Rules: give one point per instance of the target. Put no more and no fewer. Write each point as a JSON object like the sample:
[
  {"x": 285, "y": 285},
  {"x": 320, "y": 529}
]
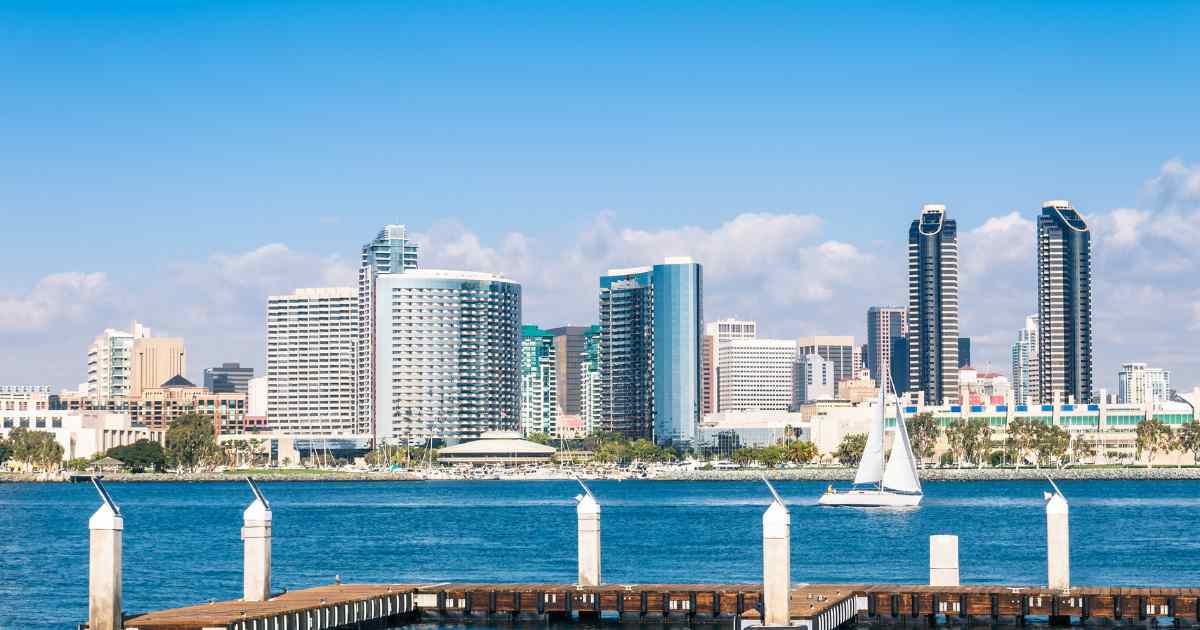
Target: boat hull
[{"x": 870, "y": 498}]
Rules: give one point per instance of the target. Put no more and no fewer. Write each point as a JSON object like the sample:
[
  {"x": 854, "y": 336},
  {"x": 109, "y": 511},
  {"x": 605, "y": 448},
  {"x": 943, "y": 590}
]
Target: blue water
[{"x": 183, "y": 546}]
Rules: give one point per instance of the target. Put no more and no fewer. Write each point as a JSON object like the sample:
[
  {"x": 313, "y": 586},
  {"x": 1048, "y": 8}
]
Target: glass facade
[{"x": 678, "y": 326}]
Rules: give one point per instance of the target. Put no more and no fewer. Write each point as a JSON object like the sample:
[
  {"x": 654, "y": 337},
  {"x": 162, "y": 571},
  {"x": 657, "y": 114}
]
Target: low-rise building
[
  {"x": 158, "y": 407},
  {"x": 81, "y": 434}
]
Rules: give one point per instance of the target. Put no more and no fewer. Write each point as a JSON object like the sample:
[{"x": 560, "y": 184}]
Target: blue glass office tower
[{"x": 651, "y": 321}]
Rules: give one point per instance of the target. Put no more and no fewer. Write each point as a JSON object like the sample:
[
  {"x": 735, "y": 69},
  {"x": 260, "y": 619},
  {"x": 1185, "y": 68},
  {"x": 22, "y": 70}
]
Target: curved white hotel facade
[{"x": 447, "y": 354}]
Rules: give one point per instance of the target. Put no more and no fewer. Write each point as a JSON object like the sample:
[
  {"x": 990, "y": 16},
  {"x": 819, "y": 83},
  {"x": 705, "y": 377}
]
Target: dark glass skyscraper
[
  {"x": 1064, "y": 304},
  {"x": 933, "y": 305}
]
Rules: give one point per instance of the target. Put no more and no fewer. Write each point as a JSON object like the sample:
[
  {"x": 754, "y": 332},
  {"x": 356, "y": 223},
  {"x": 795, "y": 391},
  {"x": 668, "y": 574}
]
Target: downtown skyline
[{"x": 785, "y": 148}]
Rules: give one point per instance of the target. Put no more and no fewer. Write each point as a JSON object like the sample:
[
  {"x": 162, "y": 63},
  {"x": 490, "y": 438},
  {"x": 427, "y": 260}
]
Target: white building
[
  {"x": 1138, "y": 384},
  {"x": 1025, "y": 363},
  {"x": 716, "y": 333},
  {"x": 311, "y": 344},
  {"x": 110, "y": 361},
  {"x": 755, "y": 374},
  {"x": 447, "y": 356},
  {"x": 812, "y": 379},
  {"x": 81, "y": 434},
  {"x": 256, "y": 397}
]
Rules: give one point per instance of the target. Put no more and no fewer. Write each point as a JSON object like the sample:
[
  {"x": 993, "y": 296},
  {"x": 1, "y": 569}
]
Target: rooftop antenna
[
  {"x": 258, "y": 494},
  {"x": 105, "y": 496},
  {"x": 774, "y": 493}
]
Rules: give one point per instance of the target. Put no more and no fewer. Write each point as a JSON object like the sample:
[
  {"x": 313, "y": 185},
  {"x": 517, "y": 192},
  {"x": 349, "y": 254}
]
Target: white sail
[
  {"x": 870, "y": 467},
  {"x": 901, "y": 472}
]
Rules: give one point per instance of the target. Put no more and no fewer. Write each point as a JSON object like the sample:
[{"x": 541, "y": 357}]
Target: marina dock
[{"x": 812, "y": 606}]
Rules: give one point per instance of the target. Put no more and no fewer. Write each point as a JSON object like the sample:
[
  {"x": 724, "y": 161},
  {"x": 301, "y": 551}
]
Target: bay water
[{"x": 183, "y": 546}]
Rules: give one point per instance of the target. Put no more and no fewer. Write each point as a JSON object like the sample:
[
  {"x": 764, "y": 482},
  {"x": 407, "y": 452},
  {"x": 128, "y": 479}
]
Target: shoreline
[{"x": 794, "y": 474}]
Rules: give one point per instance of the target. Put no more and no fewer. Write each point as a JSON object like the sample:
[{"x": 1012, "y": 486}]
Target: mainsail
[
  {"x": 870, "y": 467},
  {"x": 901, "y": 472}
]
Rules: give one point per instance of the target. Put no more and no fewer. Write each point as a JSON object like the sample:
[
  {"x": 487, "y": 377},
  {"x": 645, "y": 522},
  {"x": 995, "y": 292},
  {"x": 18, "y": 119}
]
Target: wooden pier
[{"x": 813, "y": 606}]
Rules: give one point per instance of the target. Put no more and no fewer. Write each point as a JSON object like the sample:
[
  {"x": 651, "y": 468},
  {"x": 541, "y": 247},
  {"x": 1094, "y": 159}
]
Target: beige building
[
  {"x": 154, "y": 361},
  {"x": 158, "y": 407},
  {"x": 81, "y": 434}
]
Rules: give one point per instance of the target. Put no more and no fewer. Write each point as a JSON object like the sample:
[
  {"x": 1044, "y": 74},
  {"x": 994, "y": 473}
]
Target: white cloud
[{"x": 57, "y": 297}]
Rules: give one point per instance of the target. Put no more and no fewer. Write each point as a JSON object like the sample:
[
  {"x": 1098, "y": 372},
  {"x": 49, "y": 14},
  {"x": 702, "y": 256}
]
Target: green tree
[
  {"x": 958, "y": 438},
  {"x": 1188, "y": 437},
  {"x": 1024, "y": 435},
  {"x": 191, "y": 443},
  {"x": 1052, "y": 443},
  {"x": 923, "y": 432},
  {"x": 539, "y": 438},
  {"x": 35, "y": 449},
  {"x": 141, "y": 455},
  {"x": 801, "y": 452},
  {"x": 1153, "y": 435},
  {"x": 850, "y": 451},
  {"x": 5, "y": 451}
]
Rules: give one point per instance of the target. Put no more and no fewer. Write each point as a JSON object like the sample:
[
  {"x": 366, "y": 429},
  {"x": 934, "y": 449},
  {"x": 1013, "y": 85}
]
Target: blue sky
[{"x": 156, "y": 144}]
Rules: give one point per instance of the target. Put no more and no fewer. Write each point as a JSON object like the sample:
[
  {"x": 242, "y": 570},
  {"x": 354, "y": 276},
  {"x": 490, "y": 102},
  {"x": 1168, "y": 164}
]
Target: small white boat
[{"x": 895, "y": 484}]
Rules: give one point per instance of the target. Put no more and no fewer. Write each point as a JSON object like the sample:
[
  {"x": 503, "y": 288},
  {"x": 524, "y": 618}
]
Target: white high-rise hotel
[
  {"x": 1025, "y": 373},
  {"x": 312, "y": 337},
  {"x": 1138, "y": 384},
  {"x": 755, "y": 374}
]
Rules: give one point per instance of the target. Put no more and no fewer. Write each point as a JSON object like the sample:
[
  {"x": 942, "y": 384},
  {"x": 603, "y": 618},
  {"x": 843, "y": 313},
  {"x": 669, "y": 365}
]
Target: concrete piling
[
  {"x": 106, "y": 529},
  {"x": 256, "y": 545},
  {"x": 1058, "y": 541},
  {"x": 777, "y": 563},
  {"x": 943, "y": 560},
  {"x": 587, "y": 513}
]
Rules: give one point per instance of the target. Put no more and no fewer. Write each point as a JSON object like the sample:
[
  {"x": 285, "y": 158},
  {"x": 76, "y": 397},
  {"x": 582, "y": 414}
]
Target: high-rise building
[
  {"x": 900, "y": 364},
  {"x": 650, "y": 321},
  {"x": 155, "y": 361},
  {"x": 1064, "y": 304},
  {"x": 569, "y": 347},
  {"x": 256, "y": 398},
  {"x": 1025, "y": 363},
  {"x": 840, "y": 350},
  {"x": 590, "y": 388},
  {"x": 539, "y": 382},
  {"x": 716, "y": 333},
  {"x": 312, "y": 341},
  {"x": 964, "y": 351},
  {"x": 390, "y": 252},
  {"x": 812, "y": 379},
  {"x": 883, "y": 324},
  {"x": 756, "y": 374},
  {"x": 933, "y": 305},
  {"x": 447, "y": 361},
  {"x": 110, "y": 360},
  {"x": 1138, "y": 384},
  {"x": 228, "y": 378}
]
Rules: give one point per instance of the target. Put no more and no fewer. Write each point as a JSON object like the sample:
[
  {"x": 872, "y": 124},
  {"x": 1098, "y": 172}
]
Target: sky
[{"x": 176, "y": 163}]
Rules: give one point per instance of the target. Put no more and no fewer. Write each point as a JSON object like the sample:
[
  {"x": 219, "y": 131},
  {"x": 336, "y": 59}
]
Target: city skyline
[{"x": 781, "y": 146}]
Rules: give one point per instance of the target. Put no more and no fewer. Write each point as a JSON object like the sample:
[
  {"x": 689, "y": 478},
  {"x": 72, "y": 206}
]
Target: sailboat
[{"x": 894, "y": 484}]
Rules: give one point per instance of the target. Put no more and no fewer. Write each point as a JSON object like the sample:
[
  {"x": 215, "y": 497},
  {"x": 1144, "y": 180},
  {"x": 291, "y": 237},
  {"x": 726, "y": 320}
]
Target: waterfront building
[
  {"x": 723, "y": 433},
  {"x": 256, "y": 404},
  {"x": 715, "y": 334},
  {"x": 25, "y": 398},
  {"x": 839, "y": 350},
  {"x": 447, "y": 355},
  {"x": 312, "y": 340},
  {"x": 755, "y": 374},
  {"x": 109, "y": 361},
  {"x": 590, "y": 385},
  {"x": 884, "y": 323},
  {"x": 964, "y": 352},
  {"x": 1138, "y": 384},
  {"x": 497, "y": 448},
  {"x": 228, "y": 378},
  {"x": 812, "y": 379},
  {"x": 390, "y": 252},
  {"x": 539, "y": 382},
  {"x": 1064, "y": 304},
  {"x": 158, "y": 407},
  {"x": 650, "y": 329},
  {"x": 1025, "y": 371},
  {"x": 933, "y": 305},
  {"x": 155, "y": 360},
  {"x": 81, "y": 434}
]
